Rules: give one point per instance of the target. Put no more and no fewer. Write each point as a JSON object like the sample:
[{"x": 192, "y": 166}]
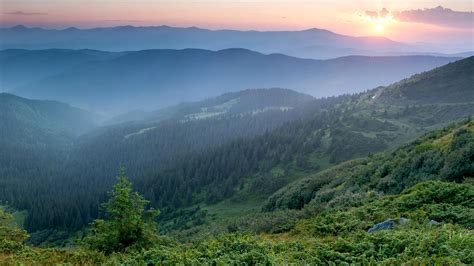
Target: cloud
[
  {"x": 124, "y": 20},
  {"x": 372, "y": 14},
  {"x": 436, "y": 16},
  {"x": 384, "y": 12},
  {"x": 22, "y": 13}
]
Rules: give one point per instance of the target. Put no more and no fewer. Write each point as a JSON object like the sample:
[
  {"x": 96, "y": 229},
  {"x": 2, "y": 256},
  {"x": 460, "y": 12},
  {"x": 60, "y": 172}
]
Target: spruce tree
[{"x": 128, "y": 225}]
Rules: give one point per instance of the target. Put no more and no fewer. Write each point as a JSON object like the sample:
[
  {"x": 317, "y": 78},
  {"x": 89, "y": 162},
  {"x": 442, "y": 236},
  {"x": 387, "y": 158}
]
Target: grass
[
  {"x": 235, "y": 206},
  {"x": 18, "y": 216}
]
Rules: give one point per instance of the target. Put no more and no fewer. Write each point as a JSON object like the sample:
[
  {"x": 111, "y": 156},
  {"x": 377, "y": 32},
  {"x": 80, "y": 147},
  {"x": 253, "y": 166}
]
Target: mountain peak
[
  {"x": 72, "y": 29},
  {"x": 19, "y": 27},
  {"x": 318, "y": 30}
]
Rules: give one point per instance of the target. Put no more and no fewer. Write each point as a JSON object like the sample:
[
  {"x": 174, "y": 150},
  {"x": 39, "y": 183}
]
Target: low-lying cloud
[
  {"x": 437, "y": 16},
  {"x": 23, "y": 13}
]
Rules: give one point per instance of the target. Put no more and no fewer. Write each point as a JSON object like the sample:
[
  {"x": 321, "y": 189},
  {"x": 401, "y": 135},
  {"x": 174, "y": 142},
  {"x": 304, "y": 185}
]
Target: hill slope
[
  {"x": 435, "y": 86},
  {"x": 34, "y": 136},
  {"x": 446, "y": 154},
  {"x": 240, "y": 103},
  {"x": 26, "y": 120},
  {"x": 144, "y": 146}
]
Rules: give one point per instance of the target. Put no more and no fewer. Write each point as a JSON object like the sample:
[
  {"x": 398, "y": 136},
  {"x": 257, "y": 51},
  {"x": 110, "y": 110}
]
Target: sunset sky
[{"x": 410, "y": 21}]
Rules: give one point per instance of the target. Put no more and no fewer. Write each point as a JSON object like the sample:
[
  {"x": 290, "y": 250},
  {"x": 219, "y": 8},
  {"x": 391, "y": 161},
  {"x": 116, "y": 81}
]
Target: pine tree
[{"x": 128, "y": 226}]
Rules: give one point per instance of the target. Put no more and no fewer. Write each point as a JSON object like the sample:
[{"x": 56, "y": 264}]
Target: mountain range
[
  {"x": 111, "y": 83},
  {"x": 311, "y": 43}
]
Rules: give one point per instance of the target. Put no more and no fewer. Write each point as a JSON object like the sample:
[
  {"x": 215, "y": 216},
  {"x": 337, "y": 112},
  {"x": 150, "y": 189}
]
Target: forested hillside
[
  {"x": 31, "y": 131},
  {"x": 34, "y": 138},
  {"x": 236, "y": 149},
  {"x": 347, "y": 221},
  {"x": 177, "y": 130},
  {"x": 21, "y": 116},
  {"x": 241, "y": 103}
]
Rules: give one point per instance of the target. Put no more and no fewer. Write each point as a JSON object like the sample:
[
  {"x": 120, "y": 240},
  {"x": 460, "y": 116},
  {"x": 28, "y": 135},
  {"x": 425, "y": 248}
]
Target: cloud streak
[
  {"x": 23, "y": 13},
  {"x": 436, "y": 16}
]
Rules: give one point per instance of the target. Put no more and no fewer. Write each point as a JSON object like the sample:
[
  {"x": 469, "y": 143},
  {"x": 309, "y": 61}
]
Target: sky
[{"x": 448, "y": 21}]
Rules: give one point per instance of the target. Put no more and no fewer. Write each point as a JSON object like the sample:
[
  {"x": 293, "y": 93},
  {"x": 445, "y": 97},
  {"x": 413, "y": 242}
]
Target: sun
[
  {"x": 379, "y": 27},
  {"x": 379, "y": 24}
]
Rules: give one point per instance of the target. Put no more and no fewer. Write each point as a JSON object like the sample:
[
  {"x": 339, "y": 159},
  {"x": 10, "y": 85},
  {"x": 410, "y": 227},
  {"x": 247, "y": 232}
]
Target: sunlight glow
[
  {"x": 379, "y": 28},
  {"x": 379, "y": 25}
]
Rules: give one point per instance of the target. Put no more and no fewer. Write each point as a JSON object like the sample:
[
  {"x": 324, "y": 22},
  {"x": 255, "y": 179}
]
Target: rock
[
  {"x": 385, "y": 225},
  {"x": 432, "y": 222},
  {"x": 403, "y": 221}
]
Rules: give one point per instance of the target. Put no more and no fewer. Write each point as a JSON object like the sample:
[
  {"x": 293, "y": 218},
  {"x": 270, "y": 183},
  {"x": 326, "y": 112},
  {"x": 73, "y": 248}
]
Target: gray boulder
[{"x": 385, "y": 225}]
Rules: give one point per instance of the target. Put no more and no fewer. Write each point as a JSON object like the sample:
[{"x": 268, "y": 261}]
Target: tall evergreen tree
[{"x": 128, "y": 226}]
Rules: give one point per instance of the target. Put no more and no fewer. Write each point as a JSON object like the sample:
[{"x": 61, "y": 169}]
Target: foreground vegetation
[{"x": 333, "y": 237}]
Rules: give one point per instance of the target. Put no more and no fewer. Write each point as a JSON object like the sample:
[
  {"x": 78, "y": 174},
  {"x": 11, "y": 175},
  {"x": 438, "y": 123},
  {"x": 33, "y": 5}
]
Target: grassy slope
[{"x": 436, "y": 155}]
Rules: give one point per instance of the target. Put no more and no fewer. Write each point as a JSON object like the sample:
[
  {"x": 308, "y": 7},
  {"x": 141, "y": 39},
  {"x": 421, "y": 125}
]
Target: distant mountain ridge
[
  {"x": 311, "y": 43},
  {"x": 19, "y": 67},
  {"x": 115, "y": 83}
]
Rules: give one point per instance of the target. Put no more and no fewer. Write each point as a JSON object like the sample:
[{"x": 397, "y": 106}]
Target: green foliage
[
  {"x": 431, "y": 200},
  {"x": 445, "y": 154},
  {"x": 129, "y": 225},
  {"x": 11, "y": 237},
  {"x": 332, "y": 237}
]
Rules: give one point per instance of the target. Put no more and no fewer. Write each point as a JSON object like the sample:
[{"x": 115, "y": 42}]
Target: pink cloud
[{"x": 436, "y": 16}]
